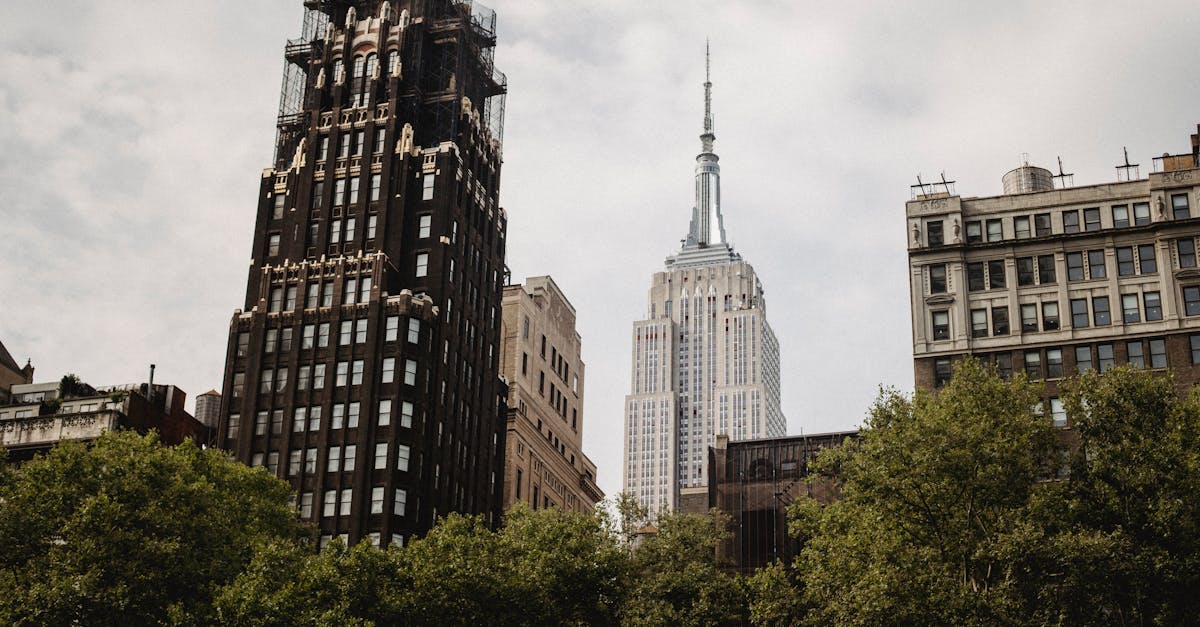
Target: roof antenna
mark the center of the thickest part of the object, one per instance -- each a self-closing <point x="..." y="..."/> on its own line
<point x="1062" y="180"/>
<point x="1128" y="171"/>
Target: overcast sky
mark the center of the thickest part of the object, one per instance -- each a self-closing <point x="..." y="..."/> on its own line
<point x="133" y="132"/>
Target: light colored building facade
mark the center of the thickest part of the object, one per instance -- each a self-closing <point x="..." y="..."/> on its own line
<point x="544" y="464"/>
<point x="705" y="360"/>
<point x="1053" y="279"/>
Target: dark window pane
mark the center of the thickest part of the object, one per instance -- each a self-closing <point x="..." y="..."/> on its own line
<point x="975" y="276"/>
<point x="1146" y="259"/>
<point x="1187" y="252"/>
<point x="937" y="278"/>
<point x="996" y="274"/>
<point x="999" y="320"/>
<point x="1133" y="350"/>
<point x="1041" y="224"/>
<point x="935" y="233"/>
<point x="1021" y="227"/>
<point x="1024" y="270"/>
<point x="1141" y="213"/>
<point x="1125" y="261"/>
<point x="1049" y="316"/>
<point x="1070" y="221"/>
<point x="1100" y="312"/>
<point x="974" y="232"/>
<point x="1096" y="267"/>
<point x="1083" y="358"/>
<point x="1153" y="305"/>
<point x="1046" y="269"/>
<point x="1079" y="313"/>
<point x="1158" y="354"/>
<point x="1074" y="266"/>
<point x="1029" y="322"/>
<point x="995" y="230"/>
<point x="1179" y="206"/>
<point x="1120" y="216"/>
<point x="1091" y="219"/>
<point x="1104" y="355"/>
<point x="1191" y="301"/>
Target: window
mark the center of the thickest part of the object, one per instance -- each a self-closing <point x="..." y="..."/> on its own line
<point x="299" y="416"/>
<point x="996" y="274"/>
<point x="354" y="190"/>
<point x="356" y="372"/>
<point x="330" y="503"/>
<point x="1134" y="352"/>
<point x="345" y="333"/>
<point x="372" y="224"/>
<point x="359" y="142"/>
<point x="1074" y="266"/>
<point x="406" y="414"/>
<point x="402" y="455"/>
<point x="975" y="276"/>
<point x="1058" y="413"/>
<point x="1179" y="206"/>
<point x="1079" y="313"/>
<point x="391" y="328"/>
<point x="1191" y="300"/>
<point x="339" y="191"/>
<point x="231" y="430"/>
<point x="1129" y="307"/>
<point x="1146" y="260"/>
<point x="524" y="363"/>
<point x="999" y="320"/>
<point x="1096" y="264"/>
<point x="344" y="502"/>
<point x="937" y="278"/>
<point x="281" y="377"/>
<point x="399" y="502"/>
<point x="1021" y="227"/>
<point x="422" y="264"/>
<point x="1046" y="269"/>
<point x="306" y="505"/>
<point x="351" y="452"/>
<point x="1120" y="216"/>
<point x="974" y="232"/>
<point x="1100" y="312"/>
<point x="1187" y="252"/>
<point x="323" y="334"/>
<point x="376" y="183"/>
<point x="360" y="331"/>
<point x="1024" y="271"/>
<point x="393" y="61"/>
<point x="318" y="377"/>
<point x="377" y="501"/>
<point x="1158" y="353"/>
<point x="277" y="208"/>
<point x="379" y="140"/>
<point x="1153" y="306"/>
<point x="385" y="412"/>
<point x="243" y="344"/>
<point x="323" y="148"/>
<point x="266" y="382"/>
<point x="1091" y="219"/>
<point x="410" y="372"/>
<point x="260" y="423"/>
<point x="327" y="294"/>
<point x="414" y="331"/>
<point x="979" y="324"/>
<point x="1049" y="316"/>
<point x="273" y="245"/>
<point x="1104" y="354"/>
<point x="349" y="291"/>
<point x="275" y="300"/>
<point x="1041" y="224"/>
<point x="1054" y="362"/>
<point x="995" y="230"/>
<point x="1070" y="221"/>
<point x="1029" y="323"/>
<point x="1193" y="341"/>
<point x="942" y="370"/>
<point x="1141" y="213"/>
<point x="423" y="226"/>
<point x="349" y="236"/>
<point x="389" y="370"/>
<point x="1033" y="364"/>
<point x="294" y="462"/>
<point x="380" y="456"/>
<point x="343" y="370"/>
<point x="941" y="326"/>
<point x="1125" y="261"/>
<point x="337" y="419"/>
<point x="1083" y="359"/>
<point x="934" y="230"/>
<point x="427" y="187"/>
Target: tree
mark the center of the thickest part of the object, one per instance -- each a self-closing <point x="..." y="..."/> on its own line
<point x="128" y="531"/>
<point x="934" y="485"/>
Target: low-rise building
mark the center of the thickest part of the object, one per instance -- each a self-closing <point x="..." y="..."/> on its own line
<point x="11" y="374"/>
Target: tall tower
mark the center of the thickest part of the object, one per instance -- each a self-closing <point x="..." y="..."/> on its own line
<point x="705" y="360"/>
<point x="364" y="366"/>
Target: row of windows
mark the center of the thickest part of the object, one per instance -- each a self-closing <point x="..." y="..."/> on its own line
<point x="1073" y="221"/>
<point x="1041" y="269"/>
<point x="317" y="335"/>
<point x="1048" y="363"/>
<point x="338" y="503"/>
<point x="1133" y="310"/>
<point x="273" y="380"/>
<point x="309" y="418"/>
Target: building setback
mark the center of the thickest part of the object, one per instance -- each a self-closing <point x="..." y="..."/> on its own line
<point x="363" y="368"/>
<point x="705" y="360"/>
<point x="1053" y="279"/>
<point x="544" y="464"/>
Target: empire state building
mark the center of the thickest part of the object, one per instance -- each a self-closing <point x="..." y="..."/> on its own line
<point x="705" y="360"/>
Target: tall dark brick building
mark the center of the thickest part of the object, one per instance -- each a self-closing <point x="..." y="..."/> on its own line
<point x="364" y="366"/>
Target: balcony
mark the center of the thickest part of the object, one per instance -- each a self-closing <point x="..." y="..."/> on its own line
<point x="1174" y="163"/>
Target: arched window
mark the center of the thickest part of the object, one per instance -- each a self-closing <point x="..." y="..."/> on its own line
<point x="393" y="62"/>
<point x="372" y="65"/>
<point x="358" y="83"/>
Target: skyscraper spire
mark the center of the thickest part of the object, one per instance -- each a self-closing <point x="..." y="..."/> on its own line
<point x="707" y="137"/>
<point x="708" y="226"/>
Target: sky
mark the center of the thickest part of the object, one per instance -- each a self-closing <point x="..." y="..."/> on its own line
<point x="133" y="134"/>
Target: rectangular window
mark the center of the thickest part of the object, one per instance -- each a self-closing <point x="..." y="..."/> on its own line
<point x="330" y="507"/>
<point x="306" y="505"/>
<point x="380" y="456"/>
<point x="1146" y="260"/>
<point x="318" y="195"/>
<point x="1158" y="353"/>
<point x="1120" y="216"/>
<point x="377" y="501"/>
<point x="343" y="371"/>
<point x="349" y="456"/>
<point x="406" y="414"/>
<point x="271" y="341"/>
<point x="427" y="187"/>
<point x="1021" y="227"/>
<point x="350" y="225"/>
<point x="400" y="500"/>
<point x="996" y="274"/>
<point x="1125" y="261"/>
<point x="376" y="185"/>
<point x="1141" y="213"/>
<point x="379" y="135"/>
<point x="354" y="184"/>
<point x="941" y="326"/>
<point x="1054" y="363"/>
<point x="273" y="245"/>
<point x="410" y="372"/>
<point x="1029" y="322"/>
<point x="243" y="344"/>
<point x="1049" y="316"/>
<point x="1193" y="341"/>
<point x="1025" y="271"/>
<point x="275" y="302"/>
<point x="422" y="264"/>
<point x="308" y="336"/>
<point x="1134" y="351"/>
<point x="323" y="334"/>
<point x="1058" y="412"/>
<point x="1075" y="266"/>
<point x="294" y="459"/>
<point x="345" y="332"/>
<point x="934" y="230"/>
<point x="260" y="423"/>
<point x="975" y="276"/>
<point x="1033" y="364"/>
<point x="344" y="502"/>
<point x="1041" y="225"/>
<point x="339" y="192"/>
<point x="323" y="148"/>
<point x="356" y="372"/>
<point x="942" y="371"/>
<point x="327" y="294"/>
<point x="266" y="382"/>
<point x="391" y="328"/>
<point x="289" y="301"/>
<point x="1187" y="252"/>
<point x="1191" y="301"/>
<point x="281" y="378"/>
<point x="524" y="363"/>
<point x="423" y="224"/>
<point x="1083" y="359"/>
<point x="414" y="331"/>
<point x="372" y="223"/>
<point x="979" y="323"/>
<point x="385" y="412"/>
<point x="999" y="320"/>
<point x="299" y="417"/>
<point x="402" y="456"/>
<point x="1079" y="313"/>
<point x="389" y="370"/>
<point x="1096" y="268"/>
<point x="337" y="419"/>
<point x="318" y="377"/>
<point x="995" y="230"/>
<point x="1091" y="219"/>
<point x="360" y="331"/>
<point x="1070" y="221"/>
<point x="1153" y="306"/>
<point x="974" y="231"/>
<point x="1046" y="269"/>
<point x="1129" y="308"/>
<point x="1100" y="313"/>
<point x="1179" y="207"/>
<point x="1104" y="355"/>
<point x="349" y="291"/>
<point x="231" y="430"/>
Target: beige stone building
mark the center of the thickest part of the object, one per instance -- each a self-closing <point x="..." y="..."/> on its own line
<point x="544" y="464"/>
<point x="1053" y="279"/>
